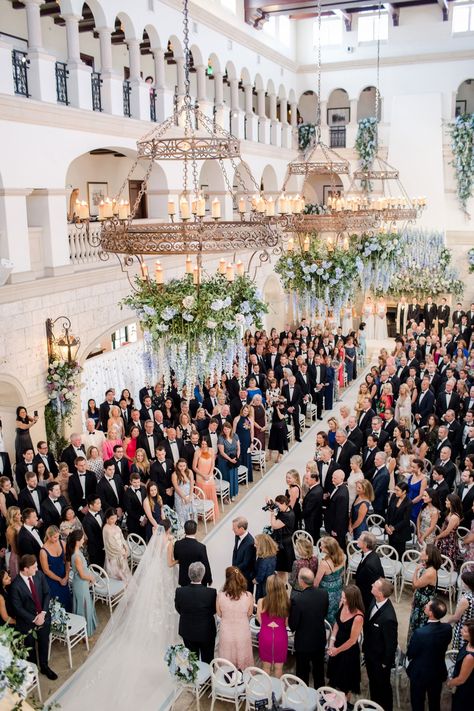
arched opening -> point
(173, 54)
(12, 395)
(244, 81)
(318, 188)
(212, 185)
(269, 182)
(213, 67)
(465, 98)
(366, 103)
(308, 107)
(150, 44)
(338, 116)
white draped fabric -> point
(122, 368)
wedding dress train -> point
(126, 669)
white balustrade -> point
(80, 249)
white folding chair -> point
(105, 589)
(450, 661)
(376, 524)
(410, 560)
(427, 466)
(203, 507)
(302, 421)
(367, 705)
(300, 534)
(226, 683)
(353, 559)
(259, 687)
(137, 548)
(296, 695)
(291, 433)
(75, 632)
(392, 568)
(258, 456)
(462, 531)
(200, 686)
(222, 486)
(32, 683)
(447, 578)
(412, 543)
(398, 672)
(330, 699)
(254, 631)
(243, 475)
(311, 409)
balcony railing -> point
(337, 136)
(20, 65)
(153, 104)
(96, 83)
(61, 83)
(126, 98)
(80, 249)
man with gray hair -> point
(380, 483)
(196, 606)
(92, 437)
(370, 568)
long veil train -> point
(126, 669)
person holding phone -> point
(23, 425)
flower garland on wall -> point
(462, 146)
(378, 260)
(366, 146)
(425, 266)
(306, 134)
(61, 385)
(321, 277)
(196, 332)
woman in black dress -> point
(293, 494)
(6, 617)
(397, 520)
(23, 438)
(344, 651)
(463, 674)
(282, 522)
(278, 439)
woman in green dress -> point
(82, 603)
(425, 582)
(330, 575)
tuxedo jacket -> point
(145, 415)
(368, 461)
(466, 505)
(49, 512)
(51, 466)
(69, 456)
(95, 540)
(169, 454)
(22, 601)
(7, 467)
(337, 512)
(196, 606)
(365, 420)
(272, 362)
(26, 543)
(313, 511)
(142, 442)
(233, 387)
(134, 508)
(368, 571)
(443, 490)
(356, 437)
(443, 315)
(104, 413)
(455, 437)
(145, 392)
(297, 396)
(380, 483)
(161, 475)
(345, 453)
(121, 468)
(449, 472)
(457, 316)
(307, 614)
(75, 491)
(403, 373)
(243, 558)
(380, 635)
(388, 427)
(20, 473)
(399, 518)
(235, 406)
(414, 311)
(425, 407)
(187, 551)
(305, 386)
(441, 406)
(107, 495)
(326, 482)
(426, 652)
(382, 437)
(25, 500)
(189, 451)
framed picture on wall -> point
(334, 191)
(461, 107)
(96, 192)
(339, 116)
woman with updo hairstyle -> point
(235, 607)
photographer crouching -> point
(282, 524)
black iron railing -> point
(96, 83)
(126, 89)
(337, 136)
(61, 83)
(20, 65)
(152, 104)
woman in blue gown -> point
(243, 428)
(329, 389)
(55, 568)
(228, 446)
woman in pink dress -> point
(272, 614)
(113, 438)
(203, 466)
(130, 444)
(235, 607)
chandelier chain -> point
(318, 106)
(377, 87)
(187, 81)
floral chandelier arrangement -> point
(378, 260)
(195, 332)
(462, 146)
(366, 145)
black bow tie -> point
(82, 474)
(91, 433)
(55, 501)
(31, 490)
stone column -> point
(41, 72)
(111, 90)
(79, 79)
(222, 117)
(140, 93)
(285, 126)
(294, 125)
(48, 209)
(14, 236)
(275, 125)
(164, 97)
(33, 21)
(263, 122)
(180, 75)
(351, 127)
(237, 116)
(205, 105)
(251, 120)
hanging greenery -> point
(470, 257)
(195, 332)
(425, 266)
(366, 146)
(378, 260)
(306, 134)
(462, 146)
(62, 384)
(321, 277)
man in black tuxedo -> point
(120, 464)
(210, 402)
(320, 381)
(336, 519)
(196, 606)
(293, 396)
(243, 555)
(447, 400)
(377, 431)
(414, 311)
(443, 441)
(173, 446)
(380, 483)
(458, 314)
(6, 466)
(135, 421)
(80, 486)
(354, 433)
(380, 642)
(448, 466)
(104, 409)
(188, 550)
(454, 432)
(237, 403)
(93, 523)
(343, 452)
(369, 569)
(146, 391)
(390, 422)
(368, 456)
(133, 499)
(430, 313)
(326, 468)
(160, 472)
(110, 489)
(443, 316)
(23, 467)
(465, 491)
(158, 425)
(148, 440)
(189, 449)
(211, 435)
(365, 417)
(313, 505)
(439, 484)
(307, 614)
(424, 404)
(30, 597)
(426, 654)
(53, 505)
(45, 457)
(29, 540)
(272, 358)
(147, 410)
(73, 451)
(31, 497)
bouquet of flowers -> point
(182, 663)
(59, 618)
(14, 671)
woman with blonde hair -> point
(183, 484)
(305, 558)
(265, 564)
(361, 395)
(404, 402)
(272, 614)
(293, 493)
(113, 438)
(330, 575)
(115, 418)
(360, 508)
(63, 479)
(234, 606)
(386, 400)
(8, 495)
(355, 476)
(13, 526)
(141, 465)
(204, 462)
(95, 463)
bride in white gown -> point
(126, 669)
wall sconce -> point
(65, 346)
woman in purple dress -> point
(272, 615)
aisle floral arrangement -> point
(182, 663)
(462, 146)
(378, 260)
(196, 332)
(14, 672)
(59, 618)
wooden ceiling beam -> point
(394, 13)
(444, 9)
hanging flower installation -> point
(14, 673)
(462, 146)
(321, 276)
(425, 266)
(366, 146)
(62, 385)
(378, 260)
(470, 257)
(195, 331)
(306, 134)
